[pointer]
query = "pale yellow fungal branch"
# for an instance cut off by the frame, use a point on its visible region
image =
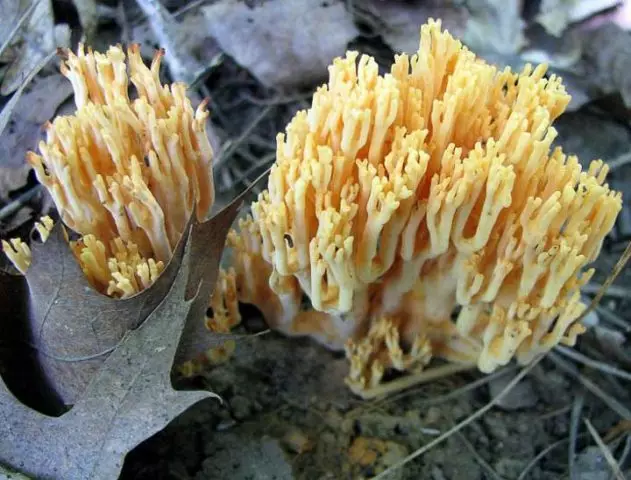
(19, 252)
(424, 212)
(125, 174)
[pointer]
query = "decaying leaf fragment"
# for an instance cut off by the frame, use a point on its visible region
(131, 397)
(284, 43)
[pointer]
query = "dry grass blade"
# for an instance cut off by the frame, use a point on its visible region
(5, 115)
(615, 468)
(25, 16)
(585, 360)
(467, 421)
(607, 399)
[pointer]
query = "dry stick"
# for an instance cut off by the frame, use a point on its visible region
(25, 16)
(606, 452)
(471, 418)
(585, 360)
(612, 403)
(15, 205)
(575, 417)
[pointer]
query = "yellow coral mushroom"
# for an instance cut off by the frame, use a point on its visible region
(125, 174)
(425, 213)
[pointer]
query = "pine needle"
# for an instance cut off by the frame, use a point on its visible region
(615, 468)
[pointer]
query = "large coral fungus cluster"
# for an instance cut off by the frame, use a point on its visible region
(425, 213)
(125, 174)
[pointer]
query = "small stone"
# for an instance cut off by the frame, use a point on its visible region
(520, 396)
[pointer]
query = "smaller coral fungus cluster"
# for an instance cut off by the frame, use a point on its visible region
(125, 174)
(423, 213)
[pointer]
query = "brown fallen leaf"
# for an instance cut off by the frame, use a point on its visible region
(401, 19)
(33, 109)
(130, 397)
(607, 59)
(284, 43)
(506, 36)
(556, 15)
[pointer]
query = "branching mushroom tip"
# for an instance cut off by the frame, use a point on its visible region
(125, 174)
(425, 213)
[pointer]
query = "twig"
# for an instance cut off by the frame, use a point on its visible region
(542, 454)
(264, 161)
(615, 468)
(5, 115)
(478, 458)
(121, 15)
(591, 386)
(412, 379)
(618, 267)
(437, 400)
(622, 160)
(225, 155)
(613, 318)
(612, 291)
(192, 5)
(25, 16)
(279, 100)
(15, 205)
(575, 417)
(585, 360)
(471, 418)
(625, 450)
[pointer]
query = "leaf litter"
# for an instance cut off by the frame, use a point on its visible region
(130, 396)
(267, 390)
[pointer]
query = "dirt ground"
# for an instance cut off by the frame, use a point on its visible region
(286, 414)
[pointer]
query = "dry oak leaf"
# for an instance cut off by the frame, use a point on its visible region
(130, 397)
(284, 43)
